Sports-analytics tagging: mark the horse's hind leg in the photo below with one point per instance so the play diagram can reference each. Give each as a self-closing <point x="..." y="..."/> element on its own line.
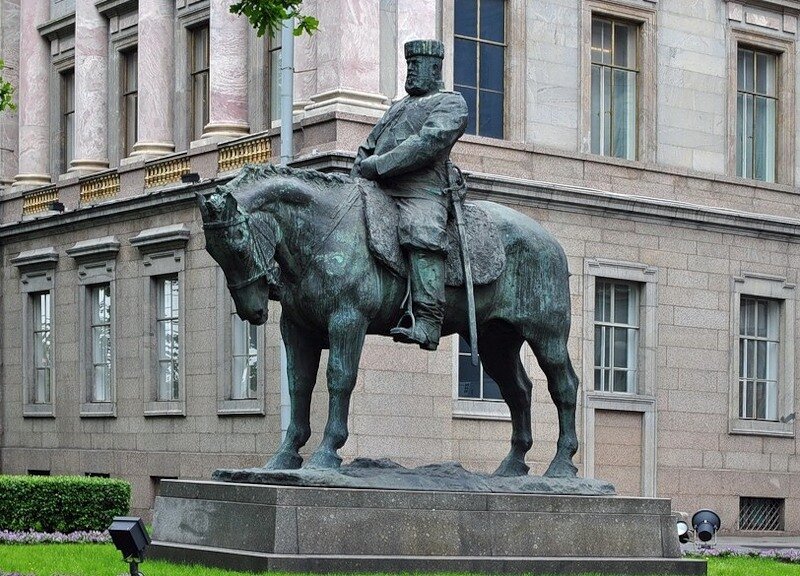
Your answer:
<point x="551" y="352"/>
<point x="302" y="356"/>
<point x="499" y="347"/>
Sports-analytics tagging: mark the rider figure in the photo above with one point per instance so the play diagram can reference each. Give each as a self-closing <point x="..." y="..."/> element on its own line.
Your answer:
<point x="408" y="153"/>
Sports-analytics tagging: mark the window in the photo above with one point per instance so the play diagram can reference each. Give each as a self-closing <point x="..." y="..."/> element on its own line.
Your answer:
<point x="479" y="53"/>
<point x="763" y="514"/>
<point x="198" y="71"/>
<point x="762" y="350"/>
<point x="244" y="376"/>
<point x="756" y="108"/>
<point x="275" y="77"/>
<point x="614" y="87"/>
<point x="168" y="337"/>
<point x="758" y="358"/>
<point x="36" y="272"/>
<point x="473" y="382"/>
<point x="41" y="306"/>
<point x="67" y="119"/>
<point x="130" y="100"/>
<point x="163" y="356"/>
<point x="101" y="343"/>
<point x="616" y="336"/>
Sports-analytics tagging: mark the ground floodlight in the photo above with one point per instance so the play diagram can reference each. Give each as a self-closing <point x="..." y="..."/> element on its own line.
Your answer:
<point x="130" y="538"/>
<point x="683" y="531"/>
<point x="706" y="523"/>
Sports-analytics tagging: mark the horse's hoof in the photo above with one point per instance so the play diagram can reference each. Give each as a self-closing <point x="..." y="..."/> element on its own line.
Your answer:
<point x="324" y="460"/>
<point x="561" y="469"/>
<point x="284" y="461"/>
<point x="512" y="467"/>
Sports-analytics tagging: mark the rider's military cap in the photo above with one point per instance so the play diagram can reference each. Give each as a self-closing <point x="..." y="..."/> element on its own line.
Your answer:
<point x="424" y="48"/>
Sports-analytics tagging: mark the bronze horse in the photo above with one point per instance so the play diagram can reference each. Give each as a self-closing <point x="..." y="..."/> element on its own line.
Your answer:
<point x="299" y="236"/>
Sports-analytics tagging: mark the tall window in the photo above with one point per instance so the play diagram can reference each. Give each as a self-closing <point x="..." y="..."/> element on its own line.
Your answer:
<point x="198" y="69"/>
<point x="479" y="63"/>
<point x="756" y="107"/>
<point x="130" y="100"/>
<point x="759" y="330"/>
<point x="167" y="330"/>
<point x="473" y="382"/>
<point x="100" y="298"/>
<point x="275" y="77"/>
<point x="42" y="348"/>
<point x="67" y="118"/>
<point x="244" y="376"/>
<point x="614" y="87"/>
<point x="616" y="336"/>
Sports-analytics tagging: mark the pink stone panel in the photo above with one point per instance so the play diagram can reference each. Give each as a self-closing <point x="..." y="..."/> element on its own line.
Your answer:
<point x="416" y="19"/>
<point x="228" y="69"/>
<point x="9" y="121"/>
<point x="348" y="46"/>
<point x="156" y="71"/>
<point x="91" y="83"/>
<point x="34" y="94"/>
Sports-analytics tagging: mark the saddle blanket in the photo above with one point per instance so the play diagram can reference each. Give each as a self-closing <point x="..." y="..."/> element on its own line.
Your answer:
<point x="486" y="252"/>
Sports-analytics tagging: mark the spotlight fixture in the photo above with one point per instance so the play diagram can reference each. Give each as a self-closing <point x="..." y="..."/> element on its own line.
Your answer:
<point x="706" y="523"/>
<point x="130" y="538"/>
<point x="683" y="531"/>
<point x="190" y="178"/>
<point x="56" y="206"/>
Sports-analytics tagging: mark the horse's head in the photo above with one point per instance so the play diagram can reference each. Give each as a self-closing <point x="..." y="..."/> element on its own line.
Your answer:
<point x="244" y="248"/>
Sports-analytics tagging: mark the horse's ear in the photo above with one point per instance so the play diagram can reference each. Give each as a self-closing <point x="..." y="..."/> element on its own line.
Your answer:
<point x="231" y="206"/>
<point x="201" y="203"/>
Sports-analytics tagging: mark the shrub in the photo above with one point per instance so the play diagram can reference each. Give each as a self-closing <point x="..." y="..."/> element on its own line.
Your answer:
<point x="61" y="503"/>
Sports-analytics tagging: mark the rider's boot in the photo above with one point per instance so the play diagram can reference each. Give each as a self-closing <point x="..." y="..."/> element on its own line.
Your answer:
<point x="426" y="271"/>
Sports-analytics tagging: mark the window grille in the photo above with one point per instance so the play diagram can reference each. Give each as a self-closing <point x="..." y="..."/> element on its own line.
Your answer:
<point x="763" y="514"/>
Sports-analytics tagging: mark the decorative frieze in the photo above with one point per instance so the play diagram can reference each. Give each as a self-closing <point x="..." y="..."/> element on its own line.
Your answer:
<point x="165" y="172"/>
<point x="39" y="201"/>
<point x="98" y="189"/>
<point x="237" y="155"/>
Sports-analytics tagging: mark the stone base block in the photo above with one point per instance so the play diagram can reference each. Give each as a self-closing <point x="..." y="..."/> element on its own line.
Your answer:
<point x="285" y="528"/>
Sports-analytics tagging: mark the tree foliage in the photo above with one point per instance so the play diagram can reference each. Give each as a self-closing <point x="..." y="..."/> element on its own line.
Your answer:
<point x="269" y="15"/>
<point x="6" y="90"/>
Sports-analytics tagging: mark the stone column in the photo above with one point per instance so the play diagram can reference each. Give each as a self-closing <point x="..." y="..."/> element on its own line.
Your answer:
<point x="34" y="96"/>
<point x="156" y="78"/>
<point x="228" y="109"/>
<point x="91" y="89"/>
<point x="348" y="58"/>
<point x="416" y="20"/>
<point x="9" y="121"/>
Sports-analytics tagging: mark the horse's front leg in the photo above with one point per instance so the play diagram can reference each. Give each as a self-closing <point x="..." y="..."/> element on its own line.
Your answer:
<point x="346" y="331"/>
<point x="302" y="362"/>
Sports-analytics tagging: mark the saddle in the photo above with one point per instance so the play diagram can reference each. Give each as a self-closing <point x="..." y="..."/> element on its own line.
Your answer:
<point x="486" y="252"/>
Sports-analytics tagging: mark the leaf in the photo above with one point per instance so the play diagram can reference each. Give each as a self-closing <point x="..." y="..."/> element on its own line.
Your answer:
<point x="268" y="15"/>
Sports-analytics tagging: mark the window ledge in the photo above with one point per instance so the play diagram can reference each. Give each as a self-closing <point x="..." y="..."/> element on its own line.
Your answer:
<point x="98" y="410"/>
<point x="38" y="411"/>
<point x="246" y="407"/>
<point x="480" y="410"/>
<point x="761" y="428"/>
<point x="165" y="408"/>
<point x="620" y="401"/>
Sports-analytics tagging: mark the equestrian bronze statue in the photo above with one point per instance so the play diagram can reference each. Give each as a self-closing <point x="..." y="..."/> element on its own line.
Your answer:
<point x="373" y="253"/>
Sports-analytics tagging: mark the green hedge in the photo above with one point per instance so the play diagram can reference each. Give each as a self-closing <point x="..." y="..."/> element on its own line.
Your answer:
<point x="61" y="503"/>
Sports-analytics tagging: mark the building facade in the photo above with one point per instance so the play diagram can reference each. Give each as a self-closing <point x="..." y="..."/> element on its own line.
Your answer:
<point x="654" y="138"/>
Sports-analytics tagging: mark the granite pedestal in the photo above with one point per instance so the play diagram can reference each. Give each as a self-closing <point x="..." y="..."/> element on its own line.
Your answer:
<point x="262" y="527"/>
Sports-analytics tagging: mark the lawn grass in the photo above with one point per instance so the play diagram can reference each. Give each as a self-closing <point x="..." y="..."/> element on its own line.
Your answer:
<point x="104" y="559"/>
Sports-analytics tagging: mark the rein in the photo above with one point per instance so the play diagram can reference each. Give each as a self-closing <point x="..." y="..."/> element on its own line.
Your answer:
<point x="244" y="219"/>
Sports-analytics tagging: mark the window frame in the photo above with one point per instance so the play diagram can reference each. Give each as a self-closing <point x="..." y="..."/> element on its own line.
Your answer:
<point x="37" y="271"/>
<point x="97" y="265"/>
<point x="634" y="288"/>
<point x="227" y="406"/>
<point x="474" y="408"/>
<point x="784" y="50"/>
<point x="194" y="72"/>
<point x="125" y="143"/>
<point x="515" y="60"/>
<point x="643" y="16"/>
<point x="163" y="253"/>
<point x="643" y="400"/>
<point x="65" y="115"/>
<point x="774" y="288"/>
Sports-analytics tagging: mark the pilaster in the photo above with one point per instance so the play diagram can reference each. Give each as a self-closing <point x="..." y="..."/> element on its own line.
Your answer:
<point x="228" y="106"/>
<point x="34" y="97"/>
<point x="91" y="89"/>
<point x="156" y="78"/>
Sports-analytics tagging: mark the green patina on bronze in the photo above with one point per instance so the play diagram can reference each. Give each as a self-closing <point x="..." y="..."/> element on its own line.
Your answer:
<point x="300" y="237"/>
